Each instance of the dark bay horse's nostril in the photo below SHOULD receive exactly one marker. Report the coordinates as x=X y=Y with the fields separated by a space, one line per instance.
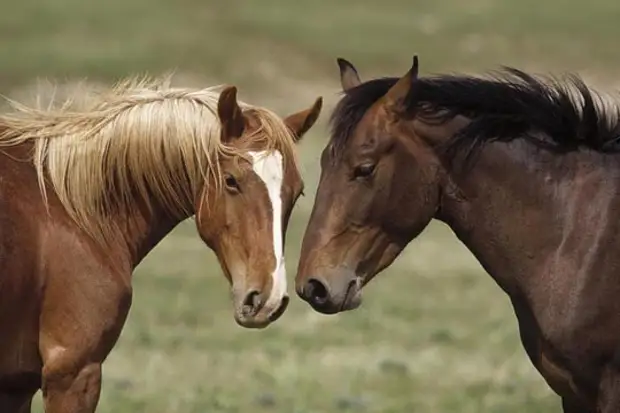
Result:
x=316 y=291
x=251 y=304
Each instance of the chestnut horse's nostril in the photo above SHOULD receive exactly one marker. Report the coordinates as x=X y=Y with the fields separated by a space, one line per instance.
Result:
x=316 y=291
x=251 y=304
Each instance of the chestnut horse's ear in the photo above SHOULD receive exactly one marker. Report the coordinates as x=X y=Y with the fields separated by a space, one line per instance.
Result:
x=299 y=123
x=395 y=97
x=348 y=74
x=229 y=112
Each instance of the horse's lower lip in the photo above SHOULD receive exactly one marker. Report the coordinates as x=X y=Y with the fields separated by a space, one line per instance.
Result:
x=252 y=323
x=262 y=320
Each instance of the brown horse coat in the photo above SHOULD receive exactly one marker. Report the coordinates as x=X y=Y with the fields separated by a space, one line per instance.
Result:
x=86 y=193
x=526 y=172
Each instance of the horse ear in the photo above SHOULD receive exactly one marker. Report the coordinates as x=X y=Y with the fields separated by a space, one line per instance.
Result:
x=229 y=112
x=299 y=123
x=348 y=74
x=395 y=97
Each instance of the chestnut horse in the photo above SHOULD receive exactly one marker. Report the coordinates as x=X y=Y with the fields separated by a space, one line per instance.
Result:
x=526 y=172
x=86 y=192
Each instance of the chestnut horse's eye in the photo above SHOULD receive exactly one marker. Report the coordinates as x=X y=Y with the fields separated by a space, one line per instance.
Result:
x=231 y=183
x=363 y=171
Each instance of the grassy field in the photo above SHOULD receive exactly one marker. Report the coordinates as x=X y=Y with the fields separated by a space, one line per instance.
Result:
x=435 y=334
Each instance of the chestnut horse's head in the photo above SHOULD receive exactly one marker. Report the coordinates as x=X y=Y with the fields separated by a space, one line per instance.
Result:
x=243 y=213
x=366 y=209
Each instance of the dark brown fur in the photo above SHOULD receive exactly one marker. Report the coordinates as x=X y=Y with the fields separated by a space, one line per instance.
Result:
x=537 y=203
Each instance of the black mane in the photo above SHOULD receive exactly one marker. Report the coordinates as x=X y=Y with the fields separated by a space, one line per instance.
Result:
x=559 y=115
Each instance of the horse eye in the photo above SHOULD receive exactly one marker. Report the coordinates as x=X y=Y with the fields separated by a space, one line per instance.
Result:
x=231 y=182
x=364 y=170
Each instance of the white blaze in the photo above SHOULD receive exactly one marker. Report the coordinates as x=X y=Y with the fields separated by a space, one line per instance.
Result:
x=270 y=169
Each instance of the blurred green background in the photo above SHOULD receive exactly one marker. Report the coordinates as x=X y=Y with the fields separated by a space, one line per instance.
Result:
x=435 y=334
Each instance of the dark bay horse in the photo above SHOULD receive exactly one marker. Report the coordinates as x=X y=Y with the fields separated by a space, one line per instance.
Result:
x=86 y=193
x=526 y=172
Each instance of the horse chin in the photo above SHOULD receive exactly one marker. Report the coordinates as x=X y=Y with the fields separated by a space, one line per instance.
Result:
x=263 y=318
x=252 y=322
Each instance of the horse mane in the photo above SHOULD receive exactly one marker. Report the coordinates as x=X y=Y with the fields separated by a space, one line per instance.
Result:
x=141 y=140
x=557 y=114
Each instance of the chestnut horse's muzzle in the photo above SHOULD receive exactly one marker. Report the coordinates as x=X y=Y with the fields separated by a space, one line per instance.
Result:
x=253 y=311
x=332 y=290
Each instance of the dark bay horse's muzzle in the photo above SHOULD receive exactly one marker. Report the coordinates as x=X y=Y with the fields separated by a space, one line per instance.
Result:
x=332 y=290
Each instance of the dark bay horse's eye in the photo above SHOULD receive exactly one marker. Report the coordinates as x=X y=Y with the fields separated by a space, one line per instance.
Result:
x=363 y=170
x=231 y=183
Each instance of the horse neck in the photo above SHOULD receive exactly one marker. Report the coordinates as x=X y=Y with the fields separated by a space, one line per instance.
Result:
x=138 y=228
x=509 y=208
x=142 y=229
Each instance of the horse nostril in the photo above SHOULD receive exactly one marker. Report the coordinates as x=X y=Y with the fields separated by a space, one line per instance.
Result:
x=251 y=304
x=316 y=291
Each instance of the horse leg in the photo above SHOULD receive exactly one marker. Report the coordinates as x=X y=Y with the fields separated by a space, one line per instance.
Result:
x=77 y=334
x=72 y=376
x=609 y=390
x=70 y=389
x=572 y=406
x=15 y=402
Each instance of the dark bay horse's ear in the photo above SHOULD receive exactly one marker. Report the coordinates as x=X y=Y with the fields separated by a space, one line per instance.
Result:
x=395 y=97
x=348 y=74
x=229 y=112
x=299 y=123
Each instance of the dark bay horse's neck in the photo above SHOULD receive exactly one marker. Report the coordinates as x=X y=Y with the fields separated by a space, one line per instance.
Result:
x=518 y=207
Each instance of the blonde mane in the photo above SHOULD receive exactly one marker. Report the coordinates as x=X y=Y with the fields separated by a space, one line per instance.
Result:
x=140 y=140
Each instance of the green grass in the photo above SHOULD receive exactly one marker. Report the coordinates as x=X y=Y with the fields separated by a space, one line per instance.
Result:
x=435 y=334
x=247 y=41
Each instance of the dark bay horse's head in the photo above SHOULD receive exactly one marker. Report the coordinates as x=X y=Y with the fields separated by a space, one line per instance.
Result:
x=379 y=188
x=244 y=219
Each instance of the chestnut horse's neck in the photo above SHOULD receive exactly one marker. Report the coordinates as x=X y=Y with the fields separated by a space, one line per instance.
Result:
x=137 y=231
x=142 y=230
x=517 y=207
